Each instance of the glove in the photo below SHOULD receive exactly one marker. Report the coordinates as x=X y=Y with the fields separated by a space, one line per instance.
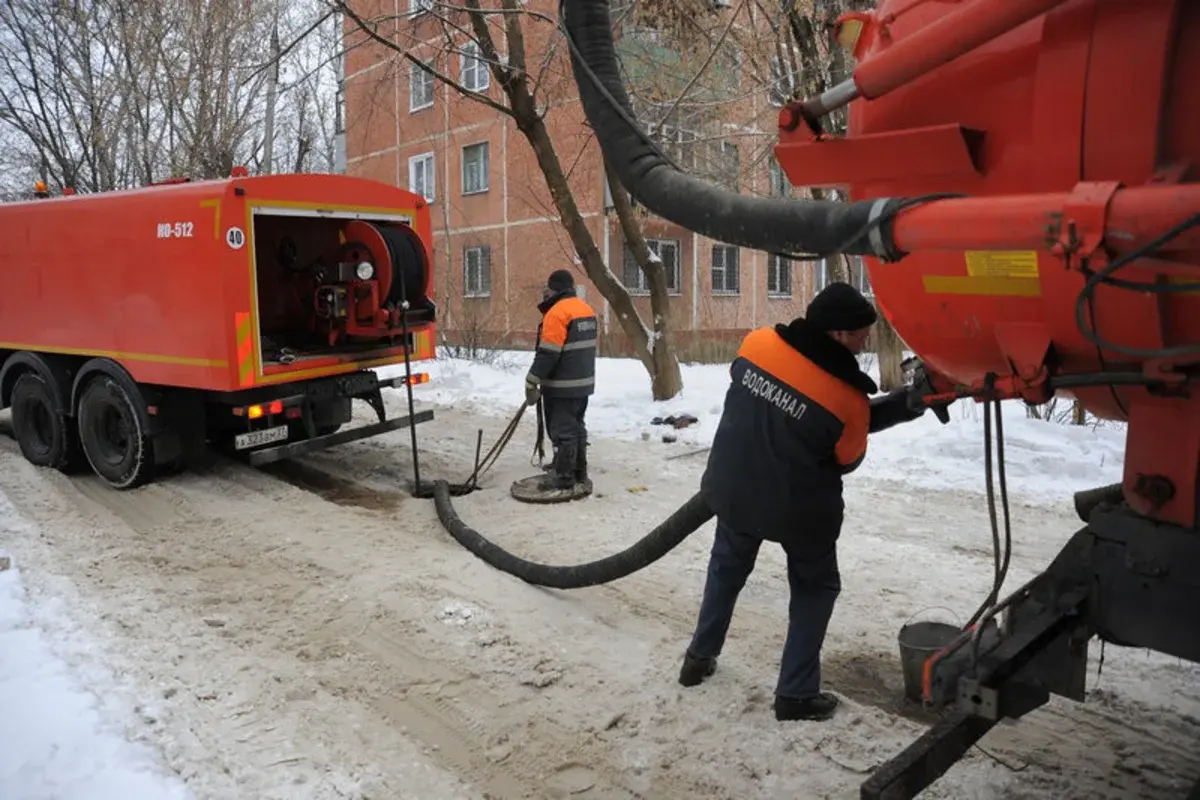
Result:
x=921 y=386
x=533 y=390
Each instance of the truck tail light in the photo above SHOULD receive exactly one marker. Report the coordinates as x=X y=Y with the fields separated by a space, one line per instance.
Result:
x=417 y=377
x=257 y=410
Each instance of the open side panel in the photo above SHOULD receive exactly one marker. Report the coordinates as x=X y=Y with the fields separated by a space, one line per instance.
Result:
x=333 y=284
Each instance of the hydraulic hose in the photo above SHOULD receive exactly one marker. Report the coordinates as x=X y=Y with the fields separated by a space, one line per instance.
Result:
x=816 y=227
x=650 y=548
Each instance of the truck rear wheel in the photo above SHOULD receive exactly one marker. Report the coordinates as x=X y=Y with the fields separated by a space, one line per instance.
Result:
x=114 y=440
x=46 y=436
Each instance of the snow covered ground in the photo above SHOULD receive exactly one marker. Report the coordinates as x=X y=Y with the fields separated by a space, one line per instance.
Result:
x=308 y=630
x=1045 y=462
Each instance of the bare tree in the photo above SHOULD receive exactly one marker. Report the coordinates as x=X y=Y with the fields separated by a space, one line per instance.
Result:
x=109 y=94
x=814 y=62
x=527 y=97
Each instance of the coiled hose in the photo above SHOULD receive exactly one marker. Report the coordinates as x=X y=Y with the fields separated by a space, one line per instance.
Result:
x=685 y=521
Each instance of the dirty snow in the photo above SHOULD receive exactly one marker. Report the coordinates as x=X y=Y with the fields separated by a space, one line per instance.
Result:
x=308 y=630
x=59 y=738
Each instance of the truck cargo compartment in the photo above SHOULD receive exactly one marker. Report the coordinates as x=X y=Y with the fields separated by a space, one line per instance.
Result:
x=334 y=284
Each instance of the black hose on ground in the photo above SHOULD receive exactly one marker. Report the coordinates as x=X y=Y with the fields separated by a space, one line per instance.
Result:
x=811 y=227
x=650 y=548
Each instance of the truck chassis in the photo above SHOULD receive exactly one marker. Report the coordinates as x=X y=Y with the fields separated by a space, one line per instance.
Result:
x=70 y=412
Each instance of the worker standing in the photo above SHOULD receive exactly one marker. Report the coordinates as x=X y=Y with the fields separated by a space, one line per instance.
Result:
x=795 y=420
x=563 y=375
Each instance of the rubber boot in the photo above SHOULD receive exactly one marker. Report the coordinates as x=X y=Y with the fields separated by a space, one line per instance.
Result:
x=581 y=465
x=561 y=474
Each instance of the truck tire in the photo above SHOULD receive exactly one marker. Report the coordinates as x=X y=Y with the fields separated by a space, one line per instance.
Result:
x=110 y=429
x=47 y=437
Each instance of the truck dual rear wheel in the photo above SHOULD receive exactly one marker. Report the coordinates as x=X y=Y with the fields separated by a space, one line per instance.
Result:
x=113 y=437
x=46 y=436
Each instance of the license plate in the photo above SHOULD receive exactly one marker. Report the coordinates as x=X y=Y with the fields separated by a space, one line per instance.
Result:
x=256 y=438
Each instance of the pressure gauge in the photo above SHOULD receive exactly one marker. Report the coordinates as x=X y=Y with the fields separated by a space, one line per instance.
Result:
x=365 y=271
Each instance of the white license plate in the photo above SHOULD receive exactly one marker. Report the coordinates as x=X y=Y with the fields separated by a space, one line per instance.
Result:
x=256 y=438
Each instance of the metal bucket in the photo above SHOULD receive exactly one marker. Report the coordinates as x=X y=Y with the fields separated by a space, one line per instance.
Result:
x=918 y=641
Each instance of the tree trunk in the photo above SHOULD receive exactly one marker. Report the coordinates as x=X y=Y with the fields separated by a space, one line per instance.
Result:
x=665 y=377
x=889 y=350
x=534 y=130
x=1078 y=414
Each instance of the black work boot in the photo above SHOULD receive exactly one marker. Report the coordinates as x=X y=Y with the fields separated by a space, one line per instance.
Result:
x=813 y=709
x=695 y=669
x=581 y=465
x=554 y=480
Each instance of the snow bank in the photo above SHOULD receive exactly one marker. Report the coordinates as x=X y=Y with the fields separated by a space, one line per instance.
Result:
x=1044 y=461
x=59 y=740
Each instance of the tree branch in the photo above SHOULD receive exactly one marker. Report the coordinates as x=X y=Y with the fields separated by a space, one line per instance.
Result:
x=458 y=87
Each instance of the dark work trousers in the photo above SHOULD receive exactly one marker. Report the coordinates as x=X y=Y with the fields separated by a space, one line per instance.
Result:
x=815 y=584
x=568 y=433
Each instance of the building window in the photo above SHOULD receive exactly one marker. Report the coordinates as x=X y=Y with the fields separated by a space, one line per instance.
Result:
x=859 y=278
x=668 y=252
x=680 y=145
x=779 y=276
x=473 y=72
x=783 y=82
x=419 y=6
x=420 y=88
x=726 y=165
x=477 y=271
x=725 y=270
x=475 y=168
x=420 y=176
x=780 y=185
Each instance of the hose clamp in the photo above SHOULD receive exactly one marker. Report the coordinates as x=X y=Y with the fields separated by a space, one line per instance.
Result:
x=875 y=234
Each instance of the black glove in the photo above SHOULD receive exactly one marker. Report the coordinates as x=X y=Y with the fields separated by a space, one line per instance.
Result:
x=922 y=386
x=892 y=409
x=533 y=390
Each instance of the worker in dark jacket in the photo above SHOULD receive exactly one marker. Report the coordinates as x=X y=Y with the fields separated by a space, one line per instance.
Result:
x=795 y=420
x=563 y=374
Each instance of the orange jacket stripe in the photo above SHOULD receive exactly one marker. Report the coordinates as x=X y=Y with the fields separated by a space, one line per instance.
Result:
x=765 y=348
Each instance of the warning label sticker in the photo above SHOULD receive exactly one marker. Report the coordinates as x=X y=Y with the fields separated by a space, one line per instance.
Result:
x=1002 y=263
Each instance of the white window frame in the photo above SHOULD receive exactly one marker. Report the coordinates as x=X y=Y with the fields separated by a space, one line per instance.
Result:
x=782 y=266
x=483 y=165
x=416 y=74
x=676 y=276
x=471 y=59
x=859 y=278
x=428 y=178
x=721 y=253
x=475 y=288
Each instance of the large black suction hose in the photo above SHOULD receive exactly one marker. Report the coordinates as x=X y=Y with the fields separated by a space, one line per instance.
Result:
x=650 y=548
x=800 y=227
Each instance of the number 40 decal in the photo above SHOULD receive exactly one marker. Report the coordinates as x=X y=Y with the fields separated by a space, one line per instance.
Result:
x=235 y=238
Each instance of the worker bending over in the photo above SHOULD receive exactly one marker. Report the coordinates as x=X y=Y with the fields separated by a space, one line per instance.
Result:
x=795 y=420
x=563 y=374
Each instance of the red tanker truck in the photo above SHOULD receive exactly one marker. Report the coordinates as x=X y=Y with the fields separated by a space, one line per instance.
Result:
x=139 y=327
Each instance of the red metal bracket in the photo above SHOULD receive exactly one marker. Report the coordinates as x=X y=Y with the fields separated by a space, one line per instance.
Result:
x=1085 y=217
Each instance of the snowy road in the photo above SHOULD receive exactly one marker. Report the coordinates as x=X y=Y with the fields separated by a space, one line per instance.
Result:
x=309 y=631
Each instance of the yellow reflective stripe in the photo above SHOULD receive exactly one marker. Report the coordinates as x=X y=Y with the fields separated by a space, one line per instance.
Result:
x=117 y=355
x=991 y=286
x=245 y=348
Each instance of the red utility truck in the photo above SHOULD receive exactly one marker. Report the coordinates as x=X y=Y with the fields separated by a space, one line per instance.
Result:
x=138 y=327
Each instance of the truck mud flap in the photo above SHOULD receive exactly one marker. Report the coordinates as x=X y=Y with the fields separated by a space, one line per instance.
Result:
x=279 y=452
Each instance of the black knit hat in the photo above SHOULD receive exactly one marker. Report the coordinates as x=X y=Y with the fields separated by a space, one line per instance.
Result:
x=840 y=307
x=560 y=281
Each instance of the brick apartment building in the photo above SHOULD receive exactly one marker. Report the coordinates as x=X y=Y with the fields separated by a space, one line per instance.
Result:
x=497 y=235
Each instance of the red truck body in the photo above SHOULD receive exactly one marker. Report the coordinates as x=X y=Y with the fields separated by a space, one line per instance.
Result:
x=242 y=293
